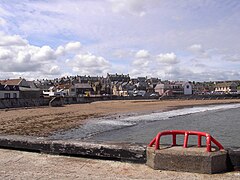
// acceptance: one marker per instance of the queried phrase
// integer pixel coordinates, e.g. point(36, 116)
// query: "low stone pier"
point(106, 150)
point(176, 158)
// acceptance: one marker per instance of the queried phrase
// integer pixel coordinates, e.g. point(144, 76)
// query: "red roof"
point(11, 81)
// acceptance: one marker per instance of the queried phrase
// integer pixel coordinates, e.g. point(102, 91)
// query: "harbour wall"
point(59, 101)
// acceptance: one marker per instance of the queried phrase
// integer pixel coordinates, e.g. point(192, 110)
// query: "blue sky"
point(169, 39)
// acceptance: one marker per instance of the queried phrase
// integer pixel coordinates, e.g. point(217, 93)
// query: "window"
point(187, 86)
point(14, 95)
point(7, 95)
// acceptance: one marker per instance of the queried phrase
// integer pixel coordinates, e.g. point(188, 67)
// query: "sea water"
point(221, 121)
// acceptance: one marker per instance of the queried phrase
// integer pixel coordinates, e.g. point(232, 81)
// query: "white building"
point(9, 91)
point(187, 88)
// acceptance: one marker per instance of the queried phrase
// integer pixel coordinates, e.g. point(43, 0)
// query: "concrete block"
point(234, 158)
point(192, 159)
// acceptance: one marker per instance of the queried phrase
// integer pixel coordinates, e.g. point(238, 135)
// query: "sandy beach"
point(43, 121)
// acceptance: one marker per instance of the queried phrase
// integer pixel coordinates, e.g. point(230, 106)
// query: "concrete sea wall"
point(15, 103)
point(130, 152)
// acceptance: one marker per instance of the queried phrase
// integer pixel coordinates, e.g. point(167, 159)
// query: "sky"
point(187, 40)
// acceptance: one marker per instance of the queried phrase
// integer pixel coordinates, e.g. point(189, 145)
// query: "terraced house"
point(26, 89)
point(9, 91)
point(226, 87)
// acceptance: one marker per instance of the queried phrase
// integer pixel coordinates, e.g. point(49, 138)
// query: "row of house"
point(19, 88)
point(111, 85)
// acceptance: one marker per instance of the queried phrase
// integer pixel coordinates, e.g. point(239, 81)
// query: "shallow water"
point(221, 121)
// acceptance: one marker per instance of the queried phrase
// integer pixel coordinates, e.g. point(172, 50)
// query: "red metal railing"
point(174, 134)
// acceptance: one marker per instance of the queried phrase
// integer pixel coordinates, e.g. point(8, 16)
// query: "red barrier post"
point(174, 141)
point(199, 140)
point(185, 140)
point(208, 139)
point(174, 133)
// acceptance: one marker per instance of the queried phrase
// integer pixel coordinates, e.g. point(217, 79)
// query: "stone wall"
point(15, 103)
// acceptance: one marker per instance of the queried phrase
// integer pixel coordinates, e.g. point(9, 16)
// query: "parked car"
point(154, 95)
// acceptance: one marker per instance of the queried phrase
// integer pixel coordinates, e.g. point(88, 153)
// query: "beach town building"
point(153, 81)
point(9, 91)
point(173, 88)
point(97, 86)
point(115, 89)
point(76, 90)
point(159, 88)
point(226, 87)
point(27, 89)
point(118, 77)
point(45, 84)
point(64, 90)
point(187, 88)
point(123, 89)
point(113, 84)
point(82, 89)
point(88, 79)
point(50, 91)
point(106, 87)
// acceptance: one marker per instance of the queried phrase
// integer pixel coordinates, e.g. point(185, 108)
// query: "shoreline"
point(46, 121)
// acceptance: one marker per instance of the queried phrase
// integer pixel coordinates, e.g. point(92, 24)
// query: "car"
point(153, 95)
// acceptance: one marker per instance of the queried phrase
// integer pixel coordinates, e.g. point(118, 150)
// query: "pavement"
point(27, 165)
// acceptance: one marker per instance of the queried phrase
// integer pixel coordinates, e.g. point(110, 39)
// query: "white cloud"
point(60, 51)
point(150, 65)
point(14, 40)
point(140, 62)
point(18, 56)
point(136, 7)
point(168, 58)
point(5, 53)
point(142, 54)
point(23, 57)
point(123, 54)
point(232, 58)
point(196, 48)
point(89, 64)
point(55, 70)
point(73, 46)
point(44, 53)
point(113, 29)
point(2, 22)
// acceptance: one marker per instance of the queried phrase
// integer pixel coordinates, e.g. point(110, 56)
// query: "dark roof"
point(64, 86)
point(82, 86)
point(229, 84)
point(31, 84)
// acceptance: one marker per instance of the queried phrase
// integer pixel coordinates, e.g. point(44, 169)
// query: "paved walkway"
point(26, 165)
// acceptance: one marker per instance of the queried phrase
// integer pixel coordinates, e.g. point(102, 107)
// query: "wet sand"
point(44, 121)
